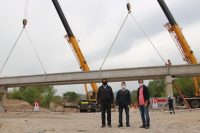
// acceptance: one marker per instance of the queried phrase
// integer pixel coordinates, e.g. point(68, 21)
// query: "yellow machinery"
point(184, 47)
point(90, 103)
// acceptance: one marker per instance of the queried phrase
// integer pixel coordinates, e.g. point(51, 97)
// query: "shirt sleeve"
point(112, 95)
point(129, 97)
point(117, 98)
point(98, 96)
point(138, 96)
point(147, 92)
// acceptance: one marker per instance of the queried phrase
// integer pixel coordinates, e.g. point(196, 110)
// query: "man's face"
point(122, 84)
point(140, 81)
point(104, 82)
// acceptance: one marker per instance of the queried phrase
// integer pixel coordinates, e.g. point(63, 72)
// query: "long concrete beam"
point(112, 75)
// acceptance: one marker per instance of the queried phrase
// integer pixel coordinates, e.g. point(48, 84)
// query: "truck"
point(90, 103)
point(188, 55)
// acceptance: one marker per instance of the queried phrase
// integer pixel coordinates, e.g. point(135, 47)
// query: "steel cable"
point(35, 51)
point(113, 42)
point(15, 43)
point(153, 45)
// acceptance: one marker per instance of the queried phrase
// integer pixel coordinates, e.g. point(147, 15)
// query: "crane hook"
point(128, 5)
point(24, 23)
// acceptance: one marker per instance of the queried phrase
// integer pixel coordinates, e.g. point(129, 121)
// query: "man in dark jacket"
point(143, 103)
point(105, 99)
point(171, 104)
point(123, 100)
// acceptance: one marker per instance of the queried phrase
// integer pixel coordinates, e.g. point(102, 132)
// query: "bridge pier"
point(169, 86)
point(3, 93)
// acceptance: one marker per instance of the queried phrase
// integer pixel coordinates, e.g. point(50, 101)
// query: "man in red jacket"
point(143, 103)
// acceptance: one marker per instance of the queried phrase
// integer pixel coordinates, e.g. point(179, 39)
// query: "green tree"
point(48, 95)
point(134, 96)
point(70, 96)
point(42, 94)
point(58, 100)
point(186, 86)
point(157, 88)
point(31, 95)
point(16, 94)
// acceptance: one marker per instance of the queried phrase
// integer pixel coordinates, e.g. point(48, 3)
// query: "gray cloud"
point(153, 25)
point(95, 23)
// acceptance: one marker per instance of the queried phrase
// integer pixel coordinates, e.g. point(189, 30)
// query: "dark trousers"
point(126, 108)
point(106, 107)
point(171, 108)
point(144, 111)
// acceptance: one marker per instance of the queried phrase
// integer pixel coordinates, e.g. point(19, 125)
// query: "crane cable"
point(35, 51)
point(28, 35)
point(113, 42)
point(148, 38)
point(26, 9)
point(11, 50)
point(20, 34)
point(29, 38)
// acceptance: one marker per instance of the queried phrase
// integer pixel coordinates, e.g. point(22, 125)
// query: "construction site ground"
point(69, 122)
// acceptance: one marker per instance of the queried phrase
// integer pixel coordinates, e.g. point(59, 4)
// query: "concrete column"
point(3, 92)
point(169, 86)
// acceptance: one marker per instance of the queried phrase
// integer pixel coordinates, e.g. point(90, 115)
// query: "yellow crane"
point(90, 103)
point(176, 33)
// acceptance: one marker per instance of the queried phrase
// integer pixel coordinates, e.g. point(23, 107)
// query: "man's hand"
point(112, 105)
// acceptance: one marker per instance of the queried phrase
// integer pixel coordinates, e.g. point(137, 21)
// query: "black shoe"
point(174, 112)
point(127, 125)
point(103, 126)
point(120, 125)
point(170, 112)
point(109, 126)
point(147, 127)
point(142, 126)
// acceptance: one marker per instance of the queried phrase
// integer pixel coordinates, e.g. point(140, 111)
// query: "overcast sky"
point(95, 23)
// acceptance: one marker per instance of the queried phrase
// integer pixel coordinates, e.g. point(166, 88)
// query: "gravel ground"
point(161, 122)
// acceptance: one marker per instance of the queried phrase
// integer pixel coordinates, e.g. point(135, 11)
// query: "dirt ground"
point(161, 122)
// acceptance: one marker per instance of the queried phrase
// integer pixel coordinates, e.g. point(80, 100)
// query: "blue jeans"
point(144, 111)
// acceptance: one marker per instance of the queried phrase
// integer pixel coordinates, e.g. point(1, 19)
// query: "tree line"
point(46, 94)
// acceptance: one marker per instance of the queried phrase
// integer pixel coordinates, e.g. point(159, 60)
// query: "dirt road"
point(161, 122)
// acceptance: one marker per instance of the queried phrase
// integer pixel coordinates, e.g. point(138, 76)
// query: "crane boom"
point(179, 38)
point(74, 43)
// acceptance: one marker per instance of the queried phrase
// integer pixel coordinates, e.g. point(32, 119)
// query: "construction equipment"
point(184, 48)
point(90, 103)
point(182, 98)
